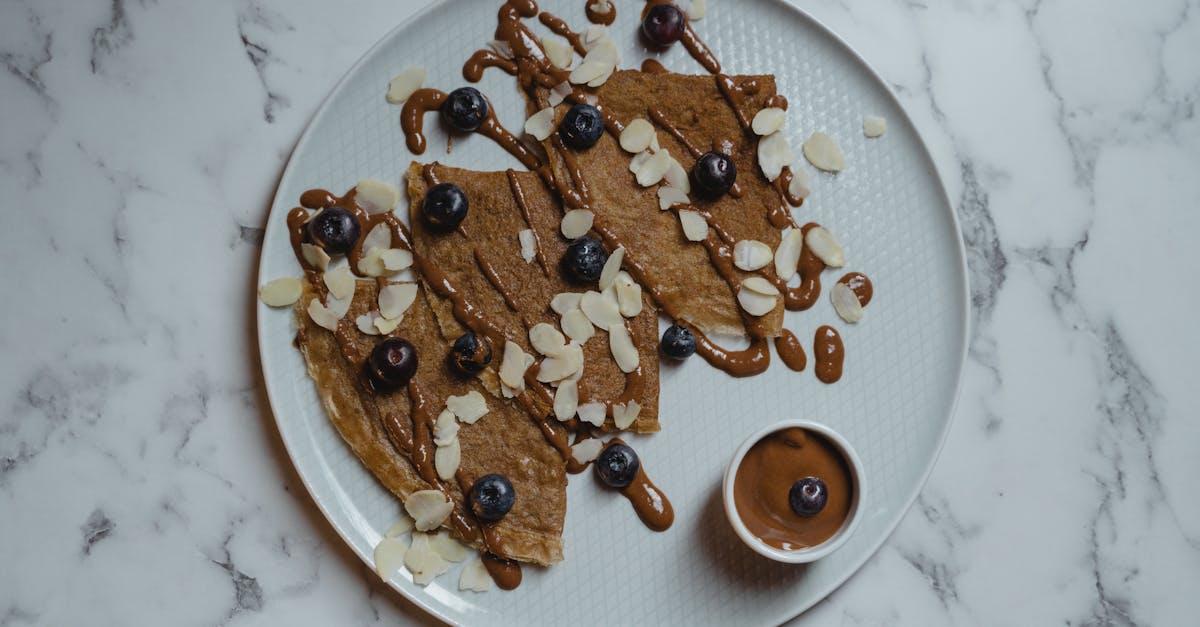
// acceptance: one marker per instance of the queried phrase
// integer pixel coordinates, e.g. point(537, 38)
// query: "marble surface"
point(142, 480)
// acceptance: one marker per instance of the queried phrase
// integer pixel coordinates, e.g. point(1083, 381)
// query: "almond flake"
point(340, 282)
point(564, 302)
point(528, 245)
point(404, 84)
point(577, 326)
point(446, 459)
point(774, 153)
point(541, 124)
point(366, 323)
point(625, 413)
point(502, 48)
point(371, 263)
point(603, 78)
point(315, 256)
point(445, 429)
point(593, 34)
point(589, 449)
point(697, 9)
point(623, 350)
point(450, 549)
point(846, 303)
point(593, 413)
point(603, 50)
point(321, 315)
point(469, 407)
point(695, 227)
point(400, 527)
point(338, 306)
point(629, 295)
point(547, 340)
point(558, 52)
point(768, 120)
point(506, 391)
point(512, 367)
point(639, 161)
point(750, 255)
point(601, 311)
point(380, 236)
point(588, 71)
point(670, 196)
point(654, 169)
point(787, 256)
point(389, 556)
point(376, 196)
point(560, 92)
point(475, 577)
point(395, 299)
point(422, 561)
point(562, 366)
point(611, 267)
point(755, 302)
point(760, 285)
point(874, 126)
point(799, 186)
point(637, 136)
point(677, 177)
point(821, 242)
point(576, 223)
point(281, 292)
point(566, 400)
point(396, 259)
point(824, 153)
point(428, 508)
point(385, 326)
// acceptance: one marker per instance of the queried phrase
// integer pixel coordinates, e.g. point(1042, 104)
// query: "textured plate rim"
point(424, 601)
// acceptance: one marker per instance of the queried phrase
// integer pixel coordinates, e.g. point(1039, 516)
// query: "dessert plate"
point(894, 402)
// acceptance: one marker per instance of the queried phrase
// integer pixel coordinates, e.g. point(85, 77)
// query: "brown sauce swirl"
point(596, 17)
point(860, 284)
point(828, 354)
point(791, 351)
point(506, 573)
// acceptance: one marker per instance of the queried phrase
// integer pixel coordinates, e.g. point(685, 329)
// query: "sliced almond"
point(588, 71)
point(281, 292)
point(623, 350)
point(541, 124)
point(768, 120)
point(446, 459)
point(380, 236)
point(575, 325)
point(824, 153)
point(593, 35)
point(654, 169)
point(475, 577)
point(338, 306)
point(593, 413)
point(756, 298)
point(787, 256)
point(469, 407)
point(385, 326)
point(874, 126)
point(697, 9)
point(405, 83)
point(559, 93)
point(677, 177)
point(589, 449)
point(821, 242)
point(528, 245)
point(428, 508)
point(625, 413)
point(547, 340)
point(396, 259)
point(576, 223)
point(603, 78)
point(395, 299)
point(400, 527)
point(639, 161)
point(670, 196)
point(501, 47)
point(846, 303)
point(389, 556)
point(558, 51)
point(695, 227)
point(322, 315)
point(366, 323)
point(562, 366)
point(799, 186)
point(750, 255)
point(445, 429)
point(760, 285)
point(774, 153)
point(315, 256)
point(450, 549)
point(602, 49)
point(512, 367)
point(611, 267)
point(376, 196)
point(637, 135)
point(601, 311)
point(629, 295)
point(566, 400)
point(371, 263)
point(422, 561)
point(339, 281)
point(564, 302)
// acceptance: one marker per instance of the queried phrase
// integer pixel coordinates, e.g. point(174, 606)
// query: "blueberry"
point(678, 342)
point(391, 364)
point(581, 127)
point(808, 496)
point(714, 173)
point(617, 465)
point(465, 109)
point(336, 230)
point(471, 353)
point(663, 24)
point(445, 206)
point(584, 259)
point(492, 497)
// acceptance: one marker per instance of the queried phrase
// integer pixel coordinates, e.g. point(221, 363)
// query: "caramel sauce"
point(828, 354)
point(506, 573)
point(765, 476)
point(652, 66)
point(493, 277)
point(523, 205)
point(778, 101)
point(559, 27)
point(595, 17)
point(791, 351)
point(648, 501)
point(860, 284)
point(809, 267)
point(782, 185)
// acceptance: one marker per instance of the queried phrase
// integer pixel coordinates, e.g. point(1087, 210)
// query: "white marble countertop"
point(142, 480)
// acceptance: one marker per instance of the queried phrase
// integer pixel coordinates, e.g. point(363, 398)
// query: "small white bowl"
point(807, 554)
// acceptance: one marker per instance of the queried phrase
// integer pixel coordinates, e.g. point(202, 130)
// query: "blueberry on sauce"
point(714, 173)
point(663, 24)
point(471, 353)
point(465, 109)
point(617, 465)
point(808, 496)
point(581, 127)
point(391, 364)
point(678, 342)
point(492, 497)
point(445, 206)
point(585, 259)
point(335, 230)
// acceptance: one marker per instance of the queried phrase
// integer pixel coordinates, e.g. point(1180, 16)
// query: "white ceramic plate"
point(894, 402)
